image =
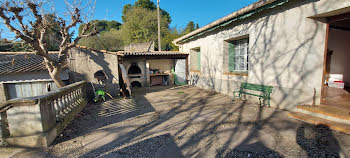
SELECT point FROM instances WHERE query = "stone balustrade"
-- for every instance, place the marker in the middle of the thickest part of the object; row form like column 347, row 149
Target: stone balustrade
column 36, row 121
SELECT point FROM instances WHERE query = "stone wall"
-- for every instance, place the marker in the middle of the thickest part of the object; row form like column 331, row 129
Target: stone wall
column 286, row 50
column 83, row 63
column 143, row 47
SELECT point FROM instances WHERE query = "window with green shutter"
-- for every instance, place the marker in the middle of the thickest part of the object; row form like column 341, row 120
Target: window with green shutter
column 238, row 52
column 231, row 57
column 195, row 59
column 199, row 60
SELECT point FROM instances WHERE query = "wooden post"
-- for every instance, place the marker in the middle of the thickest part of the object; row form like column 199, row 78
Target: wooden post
column 324, row 66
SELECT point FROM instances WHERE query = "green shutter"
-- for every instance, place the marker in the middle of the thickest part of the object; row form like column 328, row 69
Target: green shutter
column 198, row 60
column 231, row 57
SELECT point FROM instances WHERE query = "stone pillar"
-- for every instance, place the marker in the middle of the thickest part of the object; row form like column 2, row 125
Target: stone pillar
column 3, row 94
column 3, row 116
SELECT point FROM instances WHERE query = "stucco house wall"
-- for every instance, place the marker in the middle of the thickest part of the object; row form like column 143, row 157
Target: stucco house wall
column 83, row 63
column 286, row 50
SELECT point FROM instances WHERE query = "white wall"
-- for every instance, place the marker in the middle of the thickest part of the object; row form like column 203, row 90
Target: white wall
column 339, row 42
column 286, row 51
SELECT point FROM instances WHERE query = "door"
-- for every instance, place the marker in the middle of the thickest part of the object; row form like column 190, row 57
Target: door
column 180, row 71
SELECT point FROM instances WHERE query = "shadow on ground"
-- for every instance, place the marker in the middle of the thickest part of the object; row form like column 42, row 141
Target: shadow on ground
column 191, row 122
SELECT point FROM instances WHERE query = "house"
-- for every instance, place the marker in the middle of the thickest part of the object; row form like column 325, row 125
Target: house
column 144, row 67
column 23, row 74
column 292, row 45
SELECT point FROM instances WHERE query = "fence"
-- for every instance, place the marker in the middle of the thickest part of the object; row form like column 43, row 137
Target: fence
column 36, row 121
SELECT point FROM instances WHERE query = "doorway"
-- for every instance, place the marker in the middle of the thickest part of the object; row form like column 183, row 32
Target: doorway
column 336, row 88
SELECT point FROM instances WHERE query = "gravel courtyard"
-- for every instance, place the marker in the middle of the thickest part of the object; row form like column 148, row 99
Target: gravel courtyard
column 185, row 121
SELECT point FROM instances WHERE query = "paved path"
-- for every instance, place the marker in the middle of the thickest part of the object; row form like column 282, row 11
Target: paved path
column 190, row 122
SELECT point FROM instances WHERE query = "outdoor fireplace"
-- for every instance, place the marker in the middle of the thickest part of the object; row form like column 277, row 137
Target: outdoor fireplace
column 134, row 69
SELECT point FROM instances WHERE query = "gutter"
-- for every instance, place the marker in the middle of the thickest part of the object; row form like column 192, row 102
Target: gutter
column 238, row 15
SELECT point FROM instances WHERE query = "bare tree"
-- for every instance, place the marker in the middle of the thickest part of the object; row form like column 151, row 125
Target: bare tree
column 26, row 18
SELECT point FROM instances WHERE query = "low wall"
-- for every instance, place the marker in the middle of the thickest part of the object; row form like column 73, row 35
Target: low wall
column 36, row 121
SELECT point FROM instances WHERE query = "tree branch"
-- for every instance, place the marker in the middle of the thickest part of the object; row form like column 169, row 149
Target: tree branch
column 18, row 33
column 38, row 17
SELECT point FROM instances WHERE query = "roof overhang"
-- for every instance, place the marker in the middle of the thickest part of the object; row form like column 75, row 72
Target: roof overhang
column 235, row 16
column 153, row 54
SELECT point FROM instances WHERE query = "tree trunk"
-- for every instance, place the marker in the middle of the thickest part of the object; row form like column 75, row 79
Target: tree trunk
column 55, row 75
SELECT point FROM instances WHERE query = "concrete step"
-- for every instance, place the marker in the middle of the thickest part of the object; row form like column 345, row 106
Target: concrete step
column 328, row 112
column 344, row 128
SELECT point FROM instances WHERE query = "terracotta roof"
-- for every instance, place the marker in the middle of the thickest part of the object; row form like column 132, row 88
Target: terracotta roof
column 152, row 53
column 14, row 62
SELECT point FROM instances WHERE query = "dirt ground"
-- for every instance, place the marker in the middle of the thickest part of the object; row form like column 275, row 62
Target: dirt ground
column 186, row 121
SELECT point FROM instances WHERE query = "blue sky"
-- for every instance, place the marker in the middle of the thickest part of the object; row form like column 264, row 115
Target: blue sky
column 181, row 11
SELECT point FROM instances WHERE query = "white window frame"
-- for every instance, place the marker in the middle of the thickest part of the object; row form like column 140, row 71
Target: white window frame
column 242, row 44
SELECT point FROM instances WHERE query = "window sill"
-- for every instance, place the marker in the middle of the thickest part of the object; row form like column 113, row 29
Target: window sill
column 237, row 73
column 198, row 71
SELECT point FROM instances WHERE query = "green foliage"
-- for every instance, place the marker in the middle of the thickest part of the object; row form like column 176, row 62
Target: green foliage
column 146, row 4
column 107, row 40
column 53, row 36
column 101, row 26
column 141, row 26
column 167, row 40
column 189, row 27
column 13, row 46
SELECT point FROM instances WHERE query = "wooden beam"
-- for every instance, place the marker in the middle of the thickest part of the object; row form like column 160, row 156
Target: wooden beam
column 339, row 28
column 336, row 18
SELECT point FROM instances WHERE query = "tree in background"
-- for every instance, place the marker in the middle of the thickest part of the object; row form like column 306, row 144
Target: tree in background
column 34, row 27
column 109, row 37
column 189, row 27
column 106, row 40
column 146, row 4
column 13, row 46
column 141, row 25
column 167, row 40
column 102, row 25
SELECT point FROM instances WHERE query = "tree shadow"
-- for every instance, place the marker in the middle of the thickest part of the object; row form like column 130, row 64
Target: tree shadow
column 317, row 141
column 84, row 63
column 159, row 147
column 97, row 115
column 204, row 122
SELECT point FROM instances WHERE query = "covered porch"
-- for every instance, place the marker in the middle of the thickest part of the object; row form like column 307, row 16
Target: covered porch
column 334, row 110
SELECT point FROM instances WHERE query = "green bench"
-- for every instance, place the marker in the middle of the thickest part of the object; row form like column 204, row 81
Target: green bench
column 264, row 92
